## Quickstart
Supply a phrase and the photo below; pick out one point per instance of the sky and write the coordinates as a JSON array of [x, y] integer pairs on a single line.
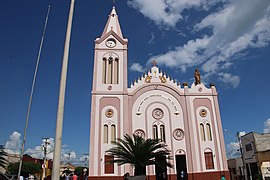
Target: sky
[[228, 40]]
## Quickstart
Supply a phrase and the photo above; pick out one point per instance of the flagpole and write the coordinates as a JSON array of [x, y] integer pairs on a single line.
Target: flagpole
[[61, 100], [32, 92]]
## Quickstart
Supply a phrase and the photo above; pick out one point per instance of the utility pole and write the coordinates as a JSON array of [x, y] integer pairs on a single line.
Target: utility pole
[[61, 99], [46, 143], [85, 159]]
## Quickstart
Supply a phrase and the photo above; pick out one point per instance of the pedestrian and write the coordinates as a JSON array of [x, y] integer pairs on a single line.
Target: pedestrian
[[126, 176], [75, 177], [223, 177], [182, 174], [67, 176]]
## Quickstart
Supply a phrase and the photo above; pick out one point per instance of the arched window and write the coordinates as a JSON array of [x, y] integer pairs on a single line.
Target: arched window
[[208, 131], [105, 133], [162, 133], [112, 132], [209, 162], [116, 71], [110, 71], [155, 132], [104, 70], [202, 132]]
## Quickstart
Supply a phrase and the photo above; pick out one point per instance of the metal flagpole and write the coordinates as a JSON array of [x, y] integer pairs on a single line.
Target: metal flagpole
[[32, 92], [61, 100]]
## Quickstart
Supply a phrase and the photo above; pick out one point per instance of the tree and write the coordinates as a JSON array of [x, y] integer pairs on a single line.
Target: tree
[[27, 168], [80, 170], [3, 160], [140, 153]]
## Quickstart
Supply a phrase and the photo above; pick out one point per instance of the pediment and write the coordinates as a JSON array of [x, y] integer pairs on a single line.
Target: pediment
[[104, 37]]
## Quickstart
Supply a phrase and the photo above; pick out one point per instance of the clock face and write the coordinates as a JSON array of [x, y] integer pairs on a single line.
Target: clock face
[[110, 43]]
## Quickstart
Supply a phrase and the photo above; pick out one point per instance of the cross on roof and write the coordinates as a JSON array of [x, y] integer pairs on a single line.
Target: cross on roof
[[154, 62]]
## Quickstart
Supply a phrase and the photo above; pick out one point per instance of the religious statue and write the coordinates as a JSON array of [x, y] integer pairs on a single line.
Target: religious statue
[[197, 76], [162, 79], [148, 79]]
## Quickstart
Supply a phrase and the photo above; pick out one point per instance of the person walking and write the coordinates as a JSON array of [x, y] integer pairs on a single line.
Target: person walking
[[223, 177], [75, 177]]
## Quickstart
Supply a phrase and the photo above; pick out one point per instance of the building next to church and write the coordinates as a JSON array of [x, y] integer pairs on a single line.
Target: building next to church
[[186, 118], [256, 155]]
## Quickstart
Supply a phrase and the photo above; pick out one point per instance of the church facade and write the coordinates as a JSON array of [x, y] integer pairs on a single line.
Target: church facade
[[186, 118]]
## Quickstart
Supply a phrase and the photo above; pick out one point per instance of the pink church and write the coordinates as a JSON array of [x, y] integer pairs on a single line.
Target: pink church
[[186, 118]]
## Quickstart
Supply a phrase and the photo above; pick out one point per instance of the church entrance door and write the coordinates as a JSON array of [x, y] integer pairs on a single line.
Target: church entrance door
[[181, 167], [161, 174]]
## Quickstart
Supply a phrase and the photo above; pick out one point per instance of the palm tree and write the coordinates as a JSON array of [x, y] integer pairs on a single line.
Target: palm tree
[[3, 160], [140, 153]]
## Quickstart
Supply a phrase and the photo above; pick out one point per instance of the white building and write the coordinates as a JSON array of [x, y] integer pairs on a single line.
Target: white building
[[186, 118]]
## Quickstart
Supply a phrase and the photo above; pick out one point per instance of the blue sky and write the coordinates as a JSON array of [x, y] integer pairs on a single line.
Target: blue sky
[[227, 40]]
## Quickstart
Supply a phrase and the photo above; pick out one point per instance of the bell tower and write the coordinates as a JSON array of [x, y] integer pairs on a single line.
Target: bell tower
[[109, 95], [110, 61]]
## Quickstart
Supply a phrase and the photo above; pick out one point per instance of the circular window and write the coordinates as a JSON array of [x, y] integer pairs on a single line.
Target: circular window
[[109, 113], [203, 113], [140, 133], [178, 134], [157, 113]]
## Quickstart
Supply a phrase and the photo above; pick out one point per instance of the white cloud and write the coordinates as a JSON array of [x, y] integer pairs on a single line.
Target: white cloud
[[13, 145], [183, 57], [38, 151], [137, 67], [237, 27], [228, 78], [267, 126], [84, 157], [157, 10], [152, 39], [232, 150], [168, 12]]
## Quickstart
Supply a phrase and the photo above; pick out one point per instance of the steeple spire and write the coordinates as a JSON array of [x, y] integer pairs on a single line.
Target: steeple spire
[[113, 24]]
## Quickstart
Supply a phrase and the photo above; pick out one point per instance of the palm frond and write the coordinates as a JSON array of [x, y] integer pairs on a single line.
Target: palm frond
[[140, 152]]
